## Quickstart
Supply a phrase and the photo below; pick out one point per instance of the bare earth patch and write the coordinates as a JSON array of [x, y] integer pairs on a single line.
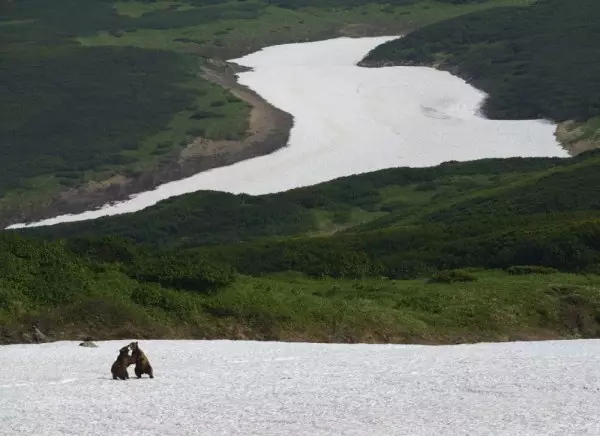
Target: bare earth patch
[[568, 133]]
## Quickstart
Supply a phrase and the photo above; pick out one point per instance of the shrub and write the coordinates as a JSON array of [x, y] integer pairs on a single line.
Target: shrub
[[183, 272], [519, 270], [452, 276]]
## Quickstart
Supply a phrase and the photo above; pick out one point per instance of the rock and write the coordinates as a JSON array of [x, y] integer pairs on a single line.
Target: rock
[[38, 336], [89, 344]]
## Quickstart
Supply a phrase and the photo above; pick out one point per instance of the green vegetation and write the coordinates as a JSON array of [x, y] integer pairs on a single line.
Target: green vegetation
[[398, 223], [495, 249], [540, 61], [371, 201], [101, 288], [91, 91]]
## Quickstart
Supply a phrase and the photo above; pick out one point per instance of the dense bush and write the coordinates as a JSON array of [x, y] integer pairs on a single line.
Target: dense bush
[[520, 270], [539, 212], [207, 217], [539, 61], [82, 107], [452, 276], [184, 272]]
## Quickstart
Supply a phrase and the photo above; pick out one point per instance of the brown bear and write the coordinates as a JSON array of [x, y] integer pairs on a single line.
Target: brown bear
[[119, 368], [142, 364]]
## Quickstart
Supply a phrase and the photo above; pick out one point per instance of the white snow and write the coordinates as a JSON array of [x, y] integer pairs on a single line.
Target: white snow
[[352, 120], [259, 388]]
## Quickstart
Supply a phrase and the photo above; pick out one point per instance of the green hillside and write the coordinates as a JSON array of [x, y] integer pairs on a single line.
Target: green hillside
[[540, 61], [391, 195], [497, 249], [397, 223], [100, 89], [487, 250], [108, 290]]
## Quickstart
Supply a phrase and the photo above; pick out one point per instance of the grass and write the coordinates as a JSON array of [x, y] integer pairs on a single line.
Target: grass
[[136, 9], [225, 38], [496, 307], [214, 114], [384, 199]]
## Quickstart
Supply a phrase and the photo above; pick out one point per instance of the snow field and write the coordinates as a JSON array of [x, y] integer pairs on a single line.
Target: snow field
[[272, 388], [350, 120]]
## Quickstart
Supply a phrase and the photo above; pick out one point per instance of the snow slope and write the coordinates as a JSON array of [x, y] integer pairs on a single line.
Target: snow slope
[[260, 388], [352, 120]]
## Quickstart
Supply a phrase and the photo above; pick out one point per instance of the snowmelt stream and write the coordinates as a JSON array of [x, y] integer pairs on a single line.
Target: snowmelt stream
[[271, 388], [350, 120]]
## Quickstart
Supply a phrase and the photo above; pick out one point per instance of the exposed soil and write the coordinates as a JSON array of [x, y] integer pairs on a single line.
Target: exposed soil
[[269, 130], [568, 132]]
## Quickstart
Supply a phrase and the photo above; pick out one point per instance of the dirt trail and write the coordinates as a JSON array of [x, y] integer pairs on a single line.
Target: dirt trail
[[268, 131]]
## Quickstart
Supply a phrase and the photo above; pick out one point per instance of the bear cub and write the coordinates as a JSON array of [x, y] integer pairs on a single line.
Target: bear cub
[[119, 368], [142, 364]]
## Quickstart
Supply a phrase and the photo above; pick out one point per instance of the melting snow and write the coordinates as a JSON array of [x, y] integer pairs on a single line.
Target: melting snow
[[351, 120], [260, 388]]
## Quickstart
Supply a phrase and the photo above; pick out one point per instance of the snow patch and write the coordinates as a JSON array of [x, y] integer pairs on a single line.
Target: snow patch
[[273, 388], [350, 120]]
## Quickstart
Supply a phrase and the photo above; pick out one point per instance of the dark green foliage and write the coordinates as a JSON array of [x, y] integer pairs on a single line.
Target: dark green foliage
[[201, 218], [514, 228], [182, 271], [520, 270], [106, 249], [61, 272], [541, 61], [215, 218], [297, 4], [397, 223], [452, 276], [540, 212], [79, 109]]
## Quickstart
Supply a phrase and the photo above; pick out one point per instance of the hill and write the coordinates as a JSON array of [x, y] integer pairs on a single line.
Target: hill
[[539, 61], [101, 99], [495, 249], [399, 223], [108, 290], [483, 250]]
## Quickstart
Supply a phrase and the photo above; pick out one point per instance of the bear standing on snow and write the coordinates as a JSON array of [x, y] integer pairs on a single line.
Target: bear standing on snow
[[119, 368], [142, 364]]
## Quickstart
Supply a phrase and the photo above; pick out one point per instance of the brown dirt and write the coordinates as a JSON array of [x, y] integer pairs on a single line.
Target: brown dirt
[[567, 133], [268, 131], [263, 121]]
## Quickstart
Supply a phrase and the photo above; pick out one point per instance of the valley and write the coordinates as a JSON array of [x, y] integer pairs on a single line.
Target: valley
[[131, 97], [308, 224], [451, 251]]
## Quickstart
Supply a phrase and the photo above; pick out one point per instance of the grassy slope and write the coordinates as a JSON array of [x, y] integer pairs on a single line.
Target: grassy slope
[[107, 295], [366, 282], [392, 223], [535, 62], [397, 223], [88, 113], [385, 199]]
